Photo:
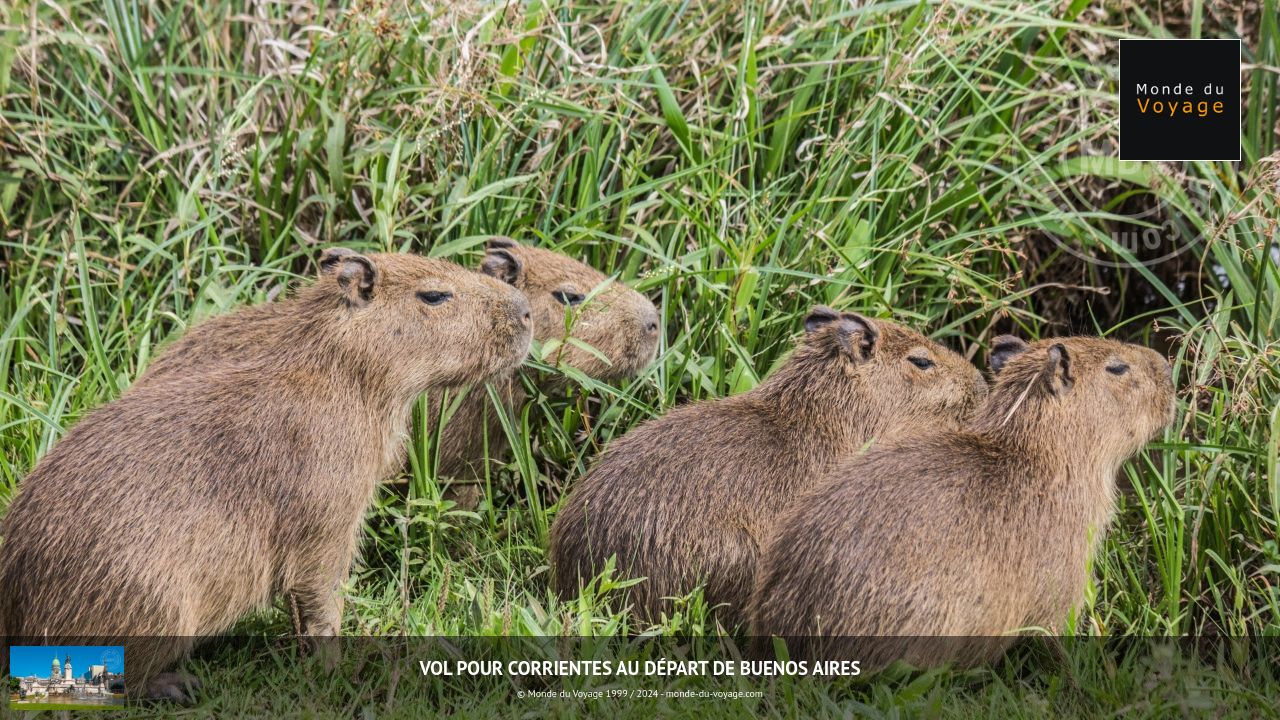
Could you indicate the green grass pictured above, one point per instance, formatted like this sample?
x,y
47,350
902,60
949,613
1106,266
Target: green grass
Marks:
x,y
160,162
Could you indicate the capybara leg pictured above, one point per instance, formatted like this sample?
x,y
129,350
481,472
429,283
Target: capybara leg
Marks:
x,y
730,571
146,661
320,611
177,687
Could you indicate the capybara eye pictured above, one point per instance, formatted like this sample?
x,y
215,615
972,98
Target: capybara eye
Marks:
x,y
923,363
434,297
565,297
1118,368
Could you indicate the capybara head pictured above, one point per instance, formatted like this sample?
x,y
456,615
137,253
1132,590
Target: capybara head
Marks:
x,y
1112,393
571,300
412,315
923,381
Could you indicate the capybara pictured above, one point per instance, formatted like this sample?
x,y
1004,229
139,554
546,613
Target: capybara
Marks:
x,y
973,533
193,499
691,497
620,325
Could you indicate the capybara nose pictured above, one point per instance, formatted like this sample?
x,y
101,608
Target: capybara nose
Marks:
x,y
649,321
522,310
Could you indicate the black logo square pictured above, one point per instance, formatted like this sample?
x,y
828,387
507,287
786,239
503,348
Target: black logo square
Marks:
x,y
1180,100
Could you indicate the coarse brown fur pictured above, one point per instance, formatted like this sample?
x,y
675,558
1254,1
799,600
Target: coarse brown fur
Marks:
x,y
195,498
572,303
691,496
973,533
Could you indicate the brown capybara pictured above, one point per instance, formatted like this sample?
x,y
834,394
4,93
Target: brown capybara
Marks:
x,y
619,324
196,498
690,497
973,533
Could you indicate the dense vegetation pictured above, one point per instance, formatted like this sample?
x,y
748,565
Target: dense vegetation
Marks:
x,y
947,164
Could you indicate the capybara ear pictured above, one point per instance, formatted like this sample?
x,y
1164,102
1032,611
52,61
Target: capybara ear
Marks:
x,y
819,317
356,274
500,241
500,264
859,336
1004,348
1057,369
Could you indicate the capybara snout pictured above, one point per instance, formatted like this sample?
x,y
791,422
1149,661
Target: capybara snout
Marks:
x,y
512,321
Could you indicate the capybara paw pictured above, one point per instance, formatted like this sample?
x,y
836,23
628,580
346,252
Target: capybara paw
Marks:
x,y
176,687
325,649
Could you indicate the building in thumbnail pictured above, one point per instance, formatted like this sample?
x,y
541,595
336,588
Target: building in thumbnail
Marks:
x,y
62,681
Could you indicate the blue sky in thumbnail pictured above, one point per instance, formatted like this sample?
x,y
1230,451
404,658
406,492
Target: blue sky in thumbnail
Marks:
x,y
27,660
